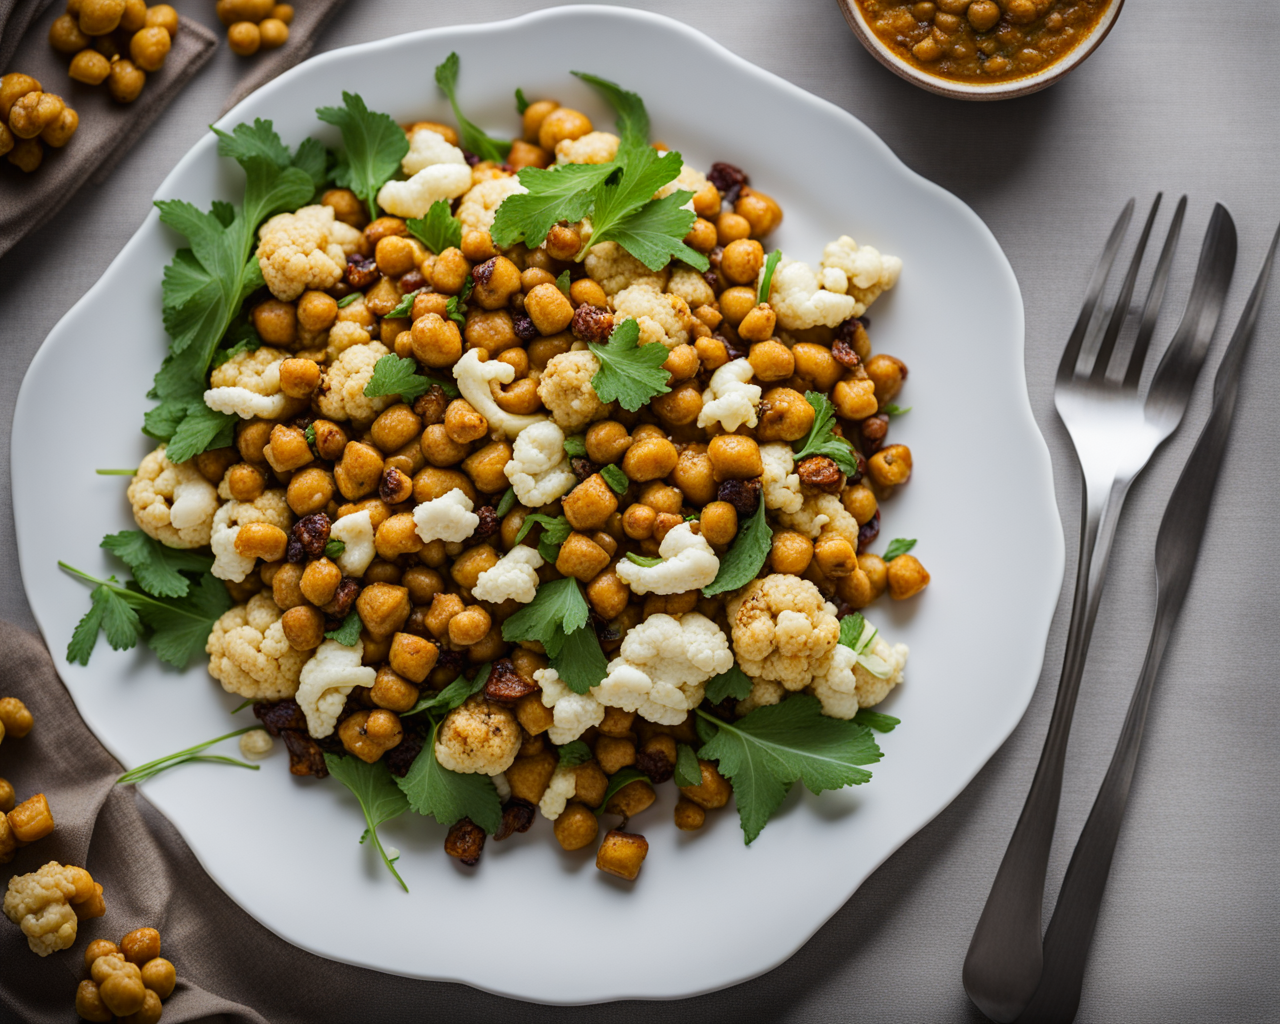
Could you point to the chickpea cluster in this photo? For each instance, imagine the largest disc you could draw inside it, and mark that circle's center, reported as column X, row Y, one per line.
column 20, row 823
column 118, row 42
column 31, row 119
column 254, row 25
column 130, row 980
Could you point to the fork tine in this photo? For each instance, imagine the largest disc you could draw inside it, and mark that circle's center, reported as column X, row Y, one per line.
column 1121, row 309
column 1066, row 367
column 1155, row 299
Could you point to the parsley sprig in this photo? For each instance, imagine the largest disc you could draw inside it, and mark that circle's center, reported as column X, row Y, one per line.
column 630, row 373
column 822, row 439
column 741, row 563
column 196, row 753
column 558, row 617
column 473, row 139
column 448, row 796
column 438, row 230
column 379, row 797
column 373, row 146
column 555, row 531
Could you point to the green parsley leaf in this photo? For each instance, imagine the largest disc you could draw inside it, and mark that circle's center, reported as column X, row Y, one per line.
column 157, row 568
column 555, row 531
column 455, row 305
column 309, row 435
column 619, row 779
column 564, row 192
column 630, row 373
column 741, row 563
column 692, row 517
column 196, row 753
column 380, row 798
column 733, row 683
column 851, row 628
column 347, row 300
column 348, row 634
column 438, row 230
column 450, row 796
column 473, row 139
column 522, row 104
column 875, row 720
column 646, row 561
column 397, row 375
column 766, row 282
column 766, row 751
column 557, row 609
column 632, row 120
column 574, row 753
column 898, row 546
column 615, row 478
column 821, row 439
column 117, row 472
column 580, row 662
column 563, row 282
column 202, row 428
column 575, row 446
column 373, row 147
column 654, row 234
column 313, row 159
column 618, row 197
column 110, row 613
column 405, row 306
column 688, row 772
column 455, row 694
column 858, row 634
column 334, row 548
column 895, row 410
column 507, row 502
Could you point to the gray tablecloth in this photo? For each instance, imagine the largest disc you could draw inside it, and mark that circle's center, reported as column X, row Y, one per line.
column 1180, row 98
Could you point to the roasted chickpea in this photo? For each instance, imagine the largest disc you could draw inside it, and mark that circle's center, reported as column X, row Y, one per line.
column 887, row 373
column 34, row 112
column 860, row 502
column 346, row 206
column 429, row 302
column 231, row 11
column 758, row 326
column 98, row 17
column 534, row 115
column 65, row 35
column 398, row 535
column 359, row 471
column 742, row 260
column 274, row 32
column 25, row 154
column 303, row 625
column 622, row 853
column 563, row 242
column 608, row 595
column 395, row 255
column 816, row 366
column 391, row 690
column 615, row 753
column 549, row 309
column 7, row 800
column 462, row 423
column 835, row 556
column 31, row 819
column 607, row 441
column 638, row 521
column 531, row 277
column 576, row 827
column 12, row 88
column 412, row 657
column 496, row 280
column 719, row 523
column 649, row 458
column 528, row 776
column 890, row 466
column 907, row 577
column 712, row 352
column 560, row 124
column 159, row 976
column 141, row 945
column 520, row 397
column 439, row 449
column 682, row 363
column 149, row 47
column 854, row 399
column 97, row 948
column 694, row 476
column 469, row 626
column 89, row 1004
column 162, row 16
column 586, row 292
column 679, row 406
column 791, row 552
column 784, row 415
column 760, row 211
column 477, row 246
column 485, row 467
column 89, row 67
column 246, row 482
column 125, row 81
column 581, row 557
column 713, row 792
column 689, row 816
column 492, row 330
column 449, row 272
column 261, row 540
column 730, row 227
column 702, row 236
column 543, row 350
column 876, row 571
column 468, row 566
column 15, row 717
column 244, row 38
column 287, row 449
column 734, row 457
column 771, row 360
column 589, row 505
column 436, row 341
column 310, row 490
column 736, row 303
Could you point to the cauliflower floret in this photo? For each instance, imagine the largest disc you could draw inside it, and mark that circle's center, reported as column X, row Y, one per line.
column 662, row 667
column 560, row 790
column 566, row 391
column 413, row 198
column 688, row 563
column 538, row 468
column 662, row 317
column 326, row 679
column 304, row 250
column 799, row 302
column 256, row 744
column 248, row 385
column 513, row 577
column 343, row 335
column 781, row 486
column 503, row 787
column 473, row 375
column 592, row 148
column 427, row 147
column 690, row 286
column 342, row 394
column 615, row 269
column 690, row 179
column 356, row 532
column 267, row 507
column 729, row 400
column 480, row 205
column 821, row 513
column 573, row 713
column 448, row 517
column 480, row 737
column 861, row 271
column 846, row 682
column 782, row 629
column 764, row 692
column 42, row 905
column 174, row 504
column 248, row 652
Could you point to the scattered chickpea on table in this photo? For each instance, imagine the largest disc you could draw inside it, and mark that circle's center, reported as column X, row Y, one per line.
column 130, row 980
column 118, row 42
column 29, row 117
column 254, row 25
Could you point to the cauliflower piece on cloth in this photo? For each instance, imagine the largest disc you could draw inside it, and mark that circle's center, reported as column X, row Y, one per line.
column 661, row 316
column 325, row 681
column 663, row 665
column 781, row 485
column 614, row 269
column 480, row 737
column 514, row 577
column 474, row 375
column 538, row 468
column 592, row 148
column 860, row 271
column 448, row 517
column 573, row 713
column 783, row 628
column 565, row 389
column 356, row 532
column 42, row 904
column 848, row 681
column 342, row 394
column 560, row 790
column 248, row 385
column 800, row 303
column 729, row 400
column 307, row 249
column 688, row 563
column 268, row 507
column 480, row 205
column 173, row 503
column 248, row 652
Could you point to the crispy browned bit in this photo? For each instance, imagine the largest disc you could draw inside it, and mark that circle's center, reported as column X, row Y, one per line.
column 305, row 755
column 583, row 467
column 400, row 758
column 712, row 277
column 465, row 841
column 868, row 532
column 417, row 623
column 743, row 495
column 362, row 271
column 517, row 816
column 735, row 351
column 308, row 537
column 431, row 406
column 844, row 354
column 412, row 281
column 821, row 473
column 874, row 430
column 395, row 486
column 482, row 273
column 489, row 523
column 522, row 324
column 591, row 324
column 284, row 714
column 505, row 684
column 654, row 763
column 728, row 179
column 344, row 598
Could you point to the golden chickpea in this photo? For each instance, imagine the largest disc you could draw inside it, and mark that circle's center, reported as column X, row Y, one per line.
column 711, row 352
column 394, row 255
column 534, row 115
column 650, row 458
column 682, row 363
column 586, row 292
column 560, row 124
column 771, row 360
column 59, row 132
column 816, row 366
column 608, row 595
column 283, row 12
column 589, row 505
column 310, row 490
column 835, row 556
column 31, row 819
column 491, row 330
column 286, row 589
column 7, row 800
column 719, row 523
column 860, row 502
column 736, row 303
column 468, row 566
column 485, row 467
column 496, row 280
column 303, row 625
column 758, row 326
column 877, row 573
column 529, row 776
column 98, row 17
column 436, row 342
column 320, row 581
column 89, row 1003
column 316, row 311
column 469, row 626
column 141, row 945
column 615, row 753
column 855, row 589
column 887, row 373
column 543, row 350
column 477, row 246
column 395, row 427
column 520, row 398
column 379, row 229
column 622, row 854
column 288, row 449
column 689, row 816
column 531, row 277
column 742, row 261
column 246, row 482
column 231, row 11
column 702, row 236
column 397, row 536
column 299, row 378
column 276, row 322
column 548, row 308
column 97, row 948
column 791, row 552
column 638, row 521
column 439, row 449
column 149, row 47
column 694, row 476
column 854, row 399
column 89, row 67
column 346, row 206
column 907, row 577
column 12, row 88
column 125, row 81
column 462, row 423
column 581, row 557
column 412, row 657
column 730, row 227
column 760, row 211
column 65, row 35
column 32, row 113
column 449, row 272
column 607, row 441
column 162, row 16
column 734, row 457
column 890, row 466
column 576, row 827
column 359, row 471
column 159, row 976
column 680, row 406
column 244, row 38
column 274, row 32
column 563, row 243
column 383, row 608
column 261, row 540
column 784, row 416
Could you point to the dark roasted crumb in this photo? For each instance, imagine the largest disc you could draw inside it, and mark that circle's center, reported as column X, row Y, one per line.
column 277, row 715
column 482, row 273
column 868, row 532
column 305, row 755
column 400, row 758
column 505, row 684
column 489, row 523
column 465, row 841
column 728, row 179
column 517, row 816
column 874, row 429
column 743, row 495
column 362, row 271
column 308, row 537
column 523, row 326
column 843, row 353
column 343, row 599
column 395, row 486
column 431, row 406
column 592, row 324
column 411, row 281
column 582, row 467
column 655, row 765
column 821, row 473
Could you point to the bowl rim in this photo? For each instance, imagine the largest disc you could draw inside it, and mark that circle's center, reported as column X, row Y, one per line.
column 856, row 17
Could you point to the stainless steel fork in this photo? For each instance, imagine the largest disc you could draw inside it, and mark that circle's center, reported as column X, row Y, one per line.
column 1115, row 433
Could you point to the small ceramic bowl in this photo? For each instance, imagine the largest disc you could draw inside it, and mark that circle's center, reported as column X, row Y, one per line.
column 1002, row 90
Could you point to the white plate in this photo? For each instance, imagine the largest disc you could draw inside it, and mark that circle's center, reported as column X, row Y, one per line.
column 286, row 849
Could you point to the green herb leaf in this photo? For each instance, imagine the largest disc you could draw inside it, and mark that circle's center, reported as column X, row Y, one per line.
column 618, row 199
column 117, row 472
column 851, row 628
column 455, row 694
column 647, row 561
column 580, row 662
column 555, row 531
column 563, row 282
column 575, row 446
column 202, row 428
column 898, row 546
column 630, row 373
column 522, row 104
column 654, row 234
column 741, row 563
column 242, row 705
column 557, row 609
column 450, row 796
column 473, row 139
column 632, row 120
column 347, row 300
column 180, row 627
column 733, row 683
column 875, row 720
column 619, row 779
column 309, row 435
column 766, row 282
column 615, row 478
column 312, row 158
column 405, row 306
column 373, row 147
column 821, row 439
column 564, row 192
column 765, row 752
column 507, row 502
column 157, row 568
column 397, row 375
column 334, row 548
column 154, row 768
column 380, row 798
column 438, row 230
column 574, row 753
column 348, row 634
column 858, row 634
column 688, row 772
column 111, row 614
column 895, row 410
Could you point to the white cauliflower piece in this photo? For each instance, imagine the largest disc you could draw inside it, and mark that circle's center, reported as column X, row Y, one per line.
column 343, row 335
column 538, row 468
column 662, row 317
column 688, row 563
column 690, row 179
column 503, row 787
column 565, row 389
column 304, row 250
column 480, row 737
column 781, row 485
column 356, row 532
column 764, row 692
column 427, row 147
column 592, row 148
column 572, row 713
column 473, row 374
column 480, row 205
column 690, row 286
column 821, row 513
column 862, row 271
column 847, row 681
column 448, row 517
column 41, row 904
column 256, row 744
column 729, row 400
column 663, row 665
column 783, row 628
column 514, row 577
column 248, row 385
column 560, row 790
column 174, row 504
column 615, row 269
column 326, row 679
column 248, row 652
column 342, row 394
column 413, row 198
column 800, row 303
column 268, row 507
